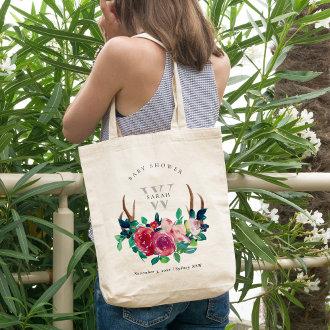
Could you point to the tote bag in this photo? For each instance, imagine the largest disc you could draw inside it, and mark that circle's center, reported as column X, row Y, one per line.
column 159, row 212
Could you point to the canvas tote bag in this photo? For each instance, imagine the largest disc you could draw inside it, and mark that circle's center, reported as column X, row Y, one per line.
column 159, row 212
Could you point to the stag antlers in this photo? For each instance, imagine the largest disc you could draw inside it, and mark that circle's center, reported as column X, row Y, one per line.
column 130, row 217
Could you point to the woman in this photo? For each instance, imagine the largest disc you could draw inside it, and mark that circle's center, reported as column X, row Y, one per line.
column 139, row 72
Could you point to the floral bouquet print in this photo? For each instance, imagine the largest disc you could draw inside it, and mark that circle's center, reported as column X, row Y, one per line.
column 163, row 238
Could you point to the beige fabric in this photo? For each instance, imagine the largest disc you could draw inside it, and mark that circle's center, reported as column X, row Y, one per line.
column 169, row 256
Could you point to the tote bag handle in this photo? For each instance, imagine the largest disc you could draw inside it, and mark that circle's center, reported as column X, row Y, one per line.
column 178, row 118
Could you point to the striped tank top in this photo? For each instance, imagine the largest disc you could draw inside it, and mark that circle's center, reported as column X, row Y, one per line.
column 200, row 99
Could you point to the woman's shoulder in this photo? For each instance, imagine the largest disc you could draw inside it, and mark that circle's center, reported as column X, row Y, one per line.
column 221, row 68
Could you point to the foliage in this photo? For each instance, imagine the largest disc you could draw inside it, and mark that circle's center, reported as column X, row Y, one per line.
column 51, row 50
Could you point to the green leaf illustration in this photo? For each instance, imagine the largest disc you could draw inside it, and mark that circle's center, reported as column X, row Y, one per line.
column 201, row 237
column 144, row 220
column 177, row 257
column 142, row 255
column 190, row 251
column 193, row 243
column 164, row 260
column 178, row 213
column 155, row 260
column 131, row 242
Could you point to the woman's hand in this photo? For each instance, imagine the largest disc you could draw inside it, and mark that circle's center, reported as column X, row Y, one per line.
column 109, row 23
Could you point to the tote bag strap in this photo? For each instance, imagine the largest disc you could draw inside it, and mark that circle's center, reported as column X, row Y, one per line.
column 178, row 118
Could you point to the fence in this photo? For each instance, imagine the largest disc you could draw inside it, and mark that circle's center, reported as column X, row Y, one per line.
column 63, row 246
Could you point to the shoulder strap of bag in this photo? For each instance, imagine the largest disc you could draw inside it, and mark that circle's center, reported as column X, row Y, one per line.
column 178, row 118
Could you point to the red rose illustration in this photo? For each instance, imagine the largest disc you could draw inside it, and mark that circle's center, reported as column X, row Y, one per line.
column 143, row 240
column 163, row 243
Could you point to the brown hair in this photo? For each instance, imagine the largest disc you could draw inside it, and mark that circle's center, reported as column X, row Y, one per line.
column 179, row 24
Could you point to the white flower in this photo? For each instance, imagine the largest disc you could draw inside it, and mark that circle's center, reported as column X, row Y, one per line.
column 324, row 23
column 7, row 66
column 306, row 117
column 308, row 134
column 312, row 286
column 274, row 216
column 318, row 235
column 293, row 111
column 301, row 276
column 264, row 207
column 290, row 111
column 309, row 284
column 302, row 218
column 317, row 217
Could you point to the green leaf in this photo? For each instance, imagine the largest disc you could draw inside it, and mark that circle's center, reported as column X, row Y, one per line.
column 15, row 254
column 52, row 4
column 253, row 242
column 65, row 66
column 23, row 242
column 5, row 140
column 190, row 250
column 82, row 286
column 53, row 226
column 119, row 238
column 155, row 260
column 255, row 26
column 201, row 237
column 290, row 297
column 164, row 260
column 52, row 105
column 144, row 220
column 235, row 95
column 7, row 321
column 47, row 187
column 27, row 176
column 142, row 255
column 313, row 18
column 299, row 5
column 27, row 80
column 193, row 242
column 177, row 257
column 120, row 246
column 297, row 75
column 3, row 11
column 283, row 17
column 131, row 241
column 5, row 294
column 178, row 213
column 255, row 314
column 62, row 35
column 77, row 255
column 48, row 294
column 295, row 99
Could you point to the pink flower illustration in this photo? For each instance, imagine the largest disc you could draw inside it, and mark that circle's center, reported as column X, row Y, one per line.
column 179, row 233
column 194, row 226
column 167, row 224
column 163, row 243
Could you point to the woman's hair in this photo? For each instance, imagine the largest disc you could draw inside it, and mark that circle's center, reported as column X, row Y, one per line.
column 179, row 24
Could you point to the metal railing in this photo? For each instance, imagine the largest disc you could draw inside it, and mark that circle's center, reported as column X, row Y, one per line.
column 63, row 246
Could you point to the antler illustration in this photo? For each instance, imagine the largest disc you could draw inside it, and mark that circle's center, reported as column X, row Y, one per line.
column 130, row 217
column 191, row 204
